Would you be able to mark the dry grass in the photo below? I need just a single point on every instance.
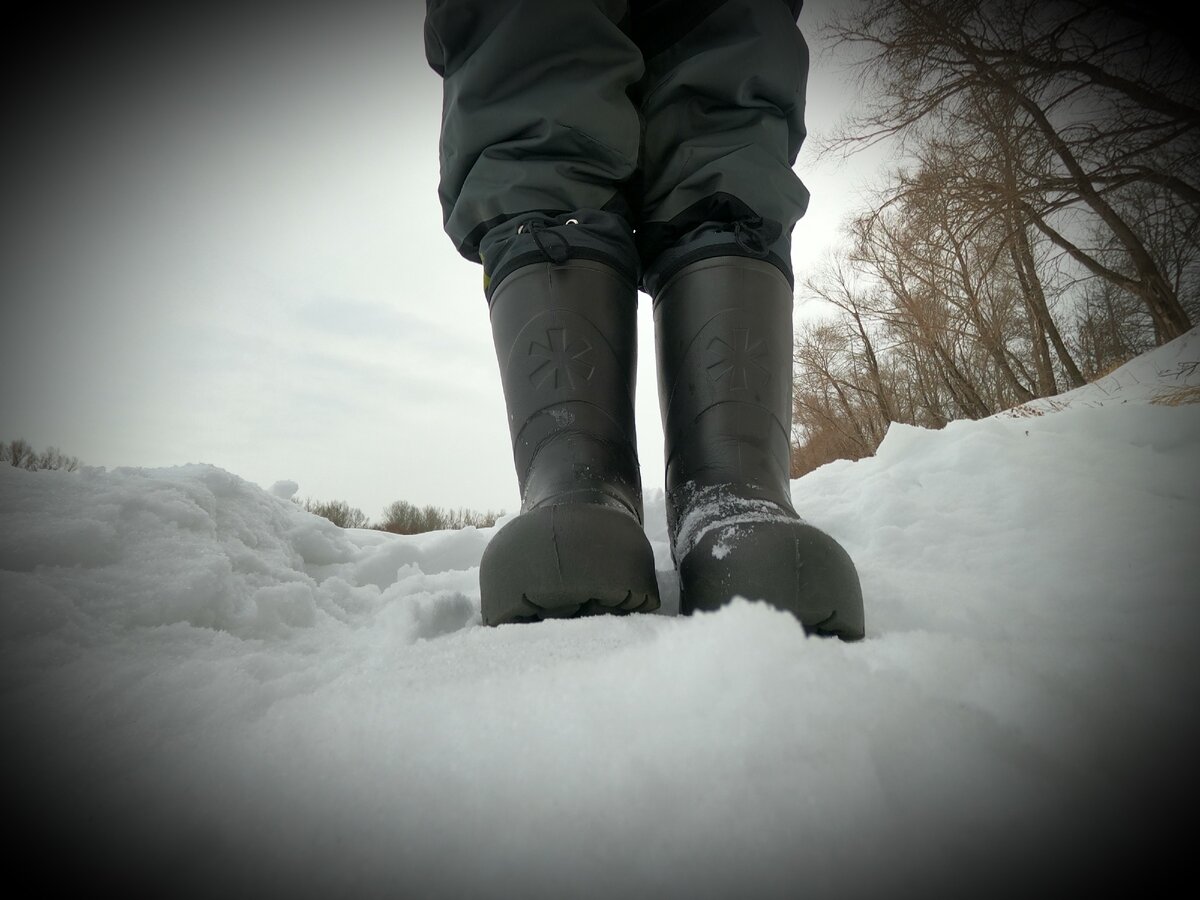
(1180, 396)
(1022, 412)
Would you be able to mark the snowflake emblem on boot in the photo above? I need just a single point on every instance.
(563, 360)
(740, 365)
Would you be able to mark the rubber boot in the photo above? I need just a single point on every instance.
(723, 327)
(565, 338)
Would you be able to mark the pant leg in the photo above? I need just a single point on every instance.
(538, 128)
(723, 109)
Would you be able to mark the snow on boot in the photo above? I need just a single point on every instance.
(723, 327)
(565, 337)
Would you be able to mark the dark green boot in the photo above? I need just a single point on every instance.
(724, 332)
(565, 338)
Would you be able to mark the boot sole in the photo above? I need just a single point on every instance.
(565, 561)
(791, 565)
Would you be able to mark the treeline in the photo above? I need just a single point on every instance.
(20, 453)
(402, 517)
(1043, 230)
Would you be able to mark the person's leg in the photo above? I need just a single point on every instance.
(723, 112)
(539, 139)
(723, 107)
(537, 128)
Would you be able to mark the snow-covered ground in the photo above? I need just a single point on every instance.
(1168, 376)
(206, 691)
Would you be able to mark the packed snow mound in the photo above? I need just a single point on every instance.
(195, 545)
(1168, 375)
(209, 691)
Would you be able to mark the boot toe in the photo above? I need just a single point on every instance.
(791, 565)
(564, 561)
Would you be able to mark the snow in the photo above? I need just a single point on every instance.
(1169, 375)
(207, 691)
(713, 507)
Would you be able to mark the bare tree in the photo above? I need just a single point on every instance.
(896, 248)
(1111, 98)
(20, 453)
(402, 517)
(834, 286)
(834, 416)
(17, 453)
(339, 512)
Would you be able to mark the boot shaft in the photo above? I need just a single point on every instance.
(723, 328)
(565, 338)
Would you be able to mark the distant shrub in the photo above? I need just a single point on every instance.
(339, 512)
(402, 517)
(21, 454)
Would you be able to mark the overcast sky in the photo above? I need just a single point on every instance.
(222, 244)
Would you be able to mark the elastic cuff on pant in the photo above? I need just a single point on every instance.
(556, 238)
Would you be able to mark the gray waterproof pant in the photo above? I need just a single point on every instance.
(646, 135)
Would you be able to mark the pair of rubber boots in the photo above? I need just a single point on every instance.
(565, 337)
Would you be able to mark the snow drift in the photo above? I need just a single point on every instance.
(207, 691)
